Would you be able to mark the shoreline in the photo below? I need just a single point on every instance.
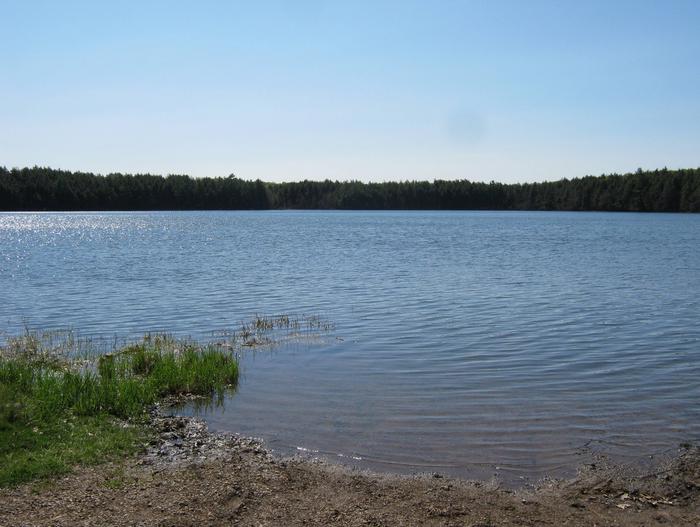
(189, 475)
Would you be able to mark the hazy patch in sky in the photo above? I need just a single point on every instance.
(465, 127)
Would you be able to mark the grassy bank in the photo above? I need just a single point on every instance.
(57, 412)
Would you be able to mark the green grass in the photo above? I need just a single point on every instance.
(57, 413)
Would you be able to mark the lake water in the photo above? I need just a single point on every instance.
(470, 343)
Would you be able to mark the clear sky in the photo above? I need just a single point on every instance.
(510, 91)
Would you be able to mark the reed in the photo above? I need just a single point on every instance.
(268, 330)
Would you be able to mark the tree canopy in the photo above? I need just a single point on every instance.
(43, 189)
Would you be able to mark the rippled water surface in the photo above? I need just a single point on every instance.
(470, 343)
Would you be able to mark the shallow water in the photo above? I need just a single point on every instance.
(472, 343)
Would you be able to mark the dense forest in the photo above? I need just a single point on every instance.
(48, 189)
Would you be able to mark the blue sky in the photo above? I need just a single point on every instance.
(281, 91)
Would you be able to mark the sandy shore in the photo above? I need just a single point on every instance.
(191, 477)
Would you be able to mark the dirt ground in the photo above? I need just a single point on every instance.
(189, 477)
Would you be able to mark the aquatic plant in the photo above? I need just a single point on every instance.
(268, 330)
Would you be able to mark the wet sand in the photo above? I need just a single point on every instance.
(188, 476)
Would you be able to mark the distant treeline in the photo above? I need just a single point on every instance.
(48, 189)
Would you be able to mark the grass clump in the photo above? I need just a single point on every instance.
(58, 413)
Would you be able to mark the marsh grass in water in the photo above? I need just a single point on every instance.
(66, 400)
(267, 330)
(56, 411)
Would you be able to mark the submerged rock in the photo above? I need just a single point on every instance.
(184, 440)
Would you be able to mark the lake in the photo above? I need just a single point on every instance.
(515, 344)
